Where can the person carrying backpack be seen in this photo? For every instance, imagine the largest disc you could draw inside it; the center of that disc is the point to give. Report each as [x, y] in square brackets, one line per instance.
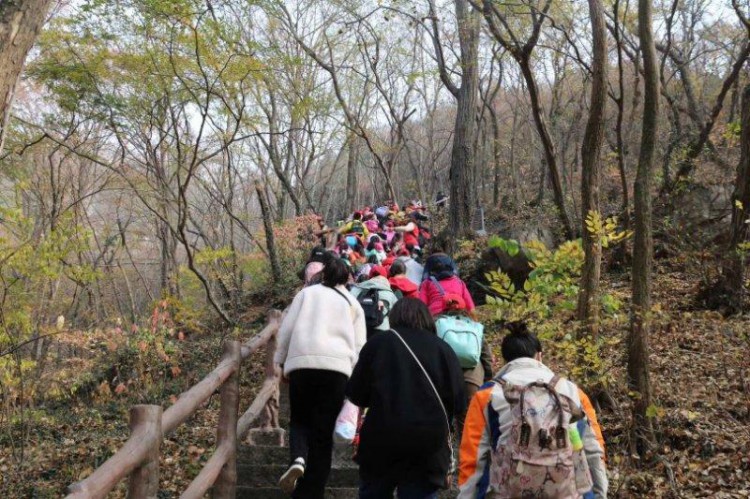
[411, 384]
[355, 226]
[529, 432]
[377, 299]
[414, 269]
[466, 337]
[442, 282]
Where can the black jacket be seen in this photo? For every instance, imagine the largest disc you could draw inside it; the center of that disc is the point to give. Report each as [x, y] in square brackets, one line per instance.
[404, 435]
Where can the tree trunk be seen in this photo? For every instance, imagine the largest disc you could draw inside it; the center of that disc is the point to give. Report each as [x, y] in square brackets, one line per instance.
[588, 298]
[735, 273]
[168, 264]
[496, 155]
[547, 145]
[20, 23]
[463, 154]
[620, 117]
[638, 350]
[268, 227]
[512, 167]
[351, 173]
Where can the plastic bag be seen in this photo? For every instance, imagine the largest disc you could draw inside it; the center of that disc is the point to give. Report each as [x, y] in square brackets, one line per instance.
[346, 424]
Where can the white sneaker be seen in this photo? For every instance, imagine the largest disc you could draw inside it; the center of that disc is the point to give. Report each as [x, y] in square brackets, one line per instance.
[288, 481]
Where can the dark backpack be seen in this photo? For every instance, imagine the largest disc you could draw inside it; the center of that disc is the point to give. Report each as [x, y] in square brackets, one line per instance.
[370, 303]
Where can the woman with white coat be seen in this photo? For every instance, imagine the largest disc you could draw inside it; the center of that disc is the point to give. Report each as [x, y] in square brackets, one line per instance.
[318, 344]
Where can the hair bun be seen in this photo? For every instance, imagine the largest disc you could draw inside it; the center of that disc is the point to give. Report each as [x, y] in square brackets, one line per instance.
[517, 328]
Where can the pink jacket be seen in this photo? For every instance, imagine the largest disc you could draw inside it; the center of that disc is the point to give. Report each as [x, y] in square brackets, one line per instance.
[431, 296]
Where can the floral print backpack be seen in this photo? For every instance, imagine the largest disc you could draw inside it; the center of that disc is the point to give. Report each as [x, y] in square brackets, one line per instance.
[536, 460]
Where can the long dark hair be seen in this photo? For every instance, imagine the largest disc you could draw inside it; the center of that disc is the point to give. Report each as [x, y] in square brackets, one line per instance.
[411, 313]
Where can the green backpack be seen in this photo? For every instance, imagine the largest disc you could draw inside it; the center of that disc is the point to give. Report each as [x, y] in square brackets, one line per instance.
[464, 336]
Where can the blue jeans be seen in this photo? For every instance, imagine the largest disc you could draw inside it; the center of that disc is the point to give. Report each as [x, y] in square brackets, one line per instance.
[382, 489]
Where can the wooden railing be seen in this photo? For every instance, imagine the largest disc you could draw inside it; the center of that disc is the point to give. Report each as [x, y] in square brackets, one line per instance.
[138, 458]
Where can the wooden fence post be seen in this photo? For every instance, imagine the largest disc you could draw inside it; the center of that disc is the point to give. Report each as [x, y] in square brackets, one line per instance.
[144, 481]
[226, 483]
[272, 408]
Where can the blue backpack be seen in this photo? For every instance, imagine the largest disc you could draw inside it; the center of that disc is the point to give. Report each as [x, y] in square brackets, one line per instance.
[464, 336]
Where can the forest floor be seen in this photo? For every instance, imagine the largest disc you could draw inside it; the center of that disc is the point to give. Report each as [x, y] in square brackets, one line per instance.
[700, 375]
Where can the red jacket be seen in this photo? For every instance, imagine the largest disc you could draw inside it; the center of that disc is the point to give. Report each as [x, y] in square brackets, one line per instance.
[412, 238]
[403, 284]
[430, 294]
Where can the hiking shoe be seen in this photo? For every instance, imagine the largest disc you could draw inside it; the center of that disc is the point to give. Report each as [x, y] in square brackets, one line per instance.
[288, 481]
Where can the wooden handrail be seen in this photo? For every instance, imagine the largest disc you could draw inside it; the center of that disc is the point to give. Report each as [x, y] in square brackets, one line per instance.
[260, 339]
[139, 456]
[189, 401]
[269, 388]
[208, 475]
[135, 451]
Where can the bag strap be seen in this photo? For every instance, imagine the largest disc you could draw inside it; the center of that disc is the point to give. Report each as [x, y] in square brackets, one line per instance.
[554, 381]
[440, 401]
[342, 295]
[437, 283]
[426, 375]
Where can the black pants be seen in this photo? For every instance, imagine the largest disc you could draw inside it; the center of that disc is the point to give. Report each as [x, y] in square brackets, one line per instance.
[315, 399]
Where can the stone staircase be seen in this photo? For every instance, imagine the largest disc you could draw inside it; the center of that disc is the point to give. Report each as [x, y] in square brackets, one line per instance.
[261, 461]
[260, 466]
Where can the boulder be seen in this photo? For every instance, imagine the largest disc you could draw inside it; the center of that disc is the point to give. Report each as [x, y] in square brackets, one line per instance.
[517, 267]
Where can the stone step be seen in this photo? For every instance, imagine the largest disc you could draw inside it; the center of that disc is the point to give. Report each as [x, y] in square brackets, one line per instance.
[262, 454]
[267, 475]
[273, 454]
[276, 493]
[331, 493]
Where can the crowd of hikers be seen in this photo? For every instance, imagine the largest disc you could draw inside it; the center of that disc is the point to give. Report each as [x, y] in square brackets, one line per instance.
[386, 333]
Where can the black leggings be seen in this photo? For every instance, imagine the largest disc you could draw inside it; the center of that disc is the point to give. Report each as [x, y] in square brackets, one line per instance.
[315, 399]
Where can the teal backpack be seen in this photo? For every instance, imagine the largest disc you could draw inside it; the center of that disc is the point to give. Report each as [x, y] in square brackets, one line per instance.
[464, 336]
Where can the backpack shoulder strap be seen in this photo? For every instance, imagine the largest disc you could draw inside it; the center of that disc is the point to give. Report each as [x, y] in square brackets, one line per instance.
[437, 284]
[554, 381]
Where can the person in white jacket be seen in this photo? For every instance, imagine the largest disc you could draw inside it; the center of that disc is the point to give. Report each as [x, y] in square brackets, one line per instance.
[318, 344]
[489, 418]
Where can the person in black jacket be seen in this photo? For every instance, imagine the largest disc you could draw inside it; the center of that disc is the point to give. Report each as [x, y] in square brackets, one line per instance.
[403, 443]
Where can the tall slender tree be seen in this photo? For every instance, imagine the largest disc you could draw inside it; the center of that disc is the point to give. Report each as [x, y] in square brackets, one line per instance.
[463, 155]
[638, 349]
[522, 51]
[734, 270]
[588, 298]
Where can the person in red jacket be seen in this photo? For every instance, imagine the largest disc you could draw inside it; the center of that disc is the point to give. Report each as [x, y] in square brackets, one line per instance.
[399, 281]
[441, 282]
